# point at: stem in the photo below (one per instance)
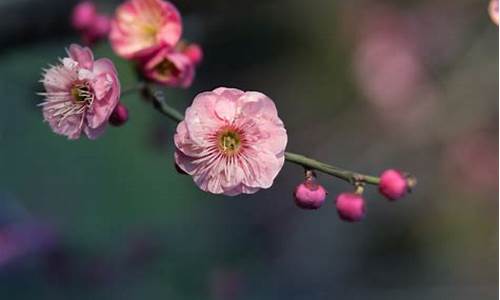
(349, 176)
(304, 161)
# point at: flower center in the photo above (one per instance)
(229, 141)
(167, 68)
(82, 93)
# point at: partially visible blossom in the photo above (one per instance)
(231, 142)
(170, 67)
(80, 94)
(350, 207)
(471, 159)
(83, 16)
(309, 194)
(142, 27)
(393, 184)
(92, 25)
(98, 30)
(493, 11)
(119, 115)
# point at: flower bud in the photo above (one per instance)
(350, 207)
(194, 53)
(119, 116)
(84, 15)
(393, 184)
(309, 194)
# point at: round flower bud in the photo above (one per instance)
(309, 194)
(119, 115)
(194, 53)
(84, 15)
(350, 207)
(393, 184)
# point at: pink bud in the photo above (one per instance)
(309, 194)
(393, 184)
(194, 53)
(350, 207)
(84, 15)
(119, 116)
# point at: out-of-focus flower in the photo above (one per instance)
(493, 11)
(98, 30)
(472, 160)
(92, 25)
(350, 207)
(231, 142)
(226, 284)
(83, 16)
(25, 238)
(142, 27)
(80, 94)
(309, 194)
(119, 115)
(170, 67)
(393, 184)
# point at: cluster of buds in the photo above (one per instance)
(91, 24)
(351, 206)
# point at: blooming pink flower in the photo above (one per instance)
(170, 67)
(80, 94)
(231, 142)
(84, 14)
(393, 184)
(350, 207)
(141, 27)
(310, 194)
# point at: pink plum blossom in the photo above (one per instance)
(80, 94)
(231, 142)
(170, 67)
(142, 27)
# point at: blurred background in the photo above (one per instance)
(365, 84)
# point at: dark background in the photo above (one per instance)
(362, 84)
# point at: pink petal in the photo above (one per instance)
(82, 55)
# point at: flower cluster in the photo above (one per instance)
(230, 141)
(149, 33)
(351, 207)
